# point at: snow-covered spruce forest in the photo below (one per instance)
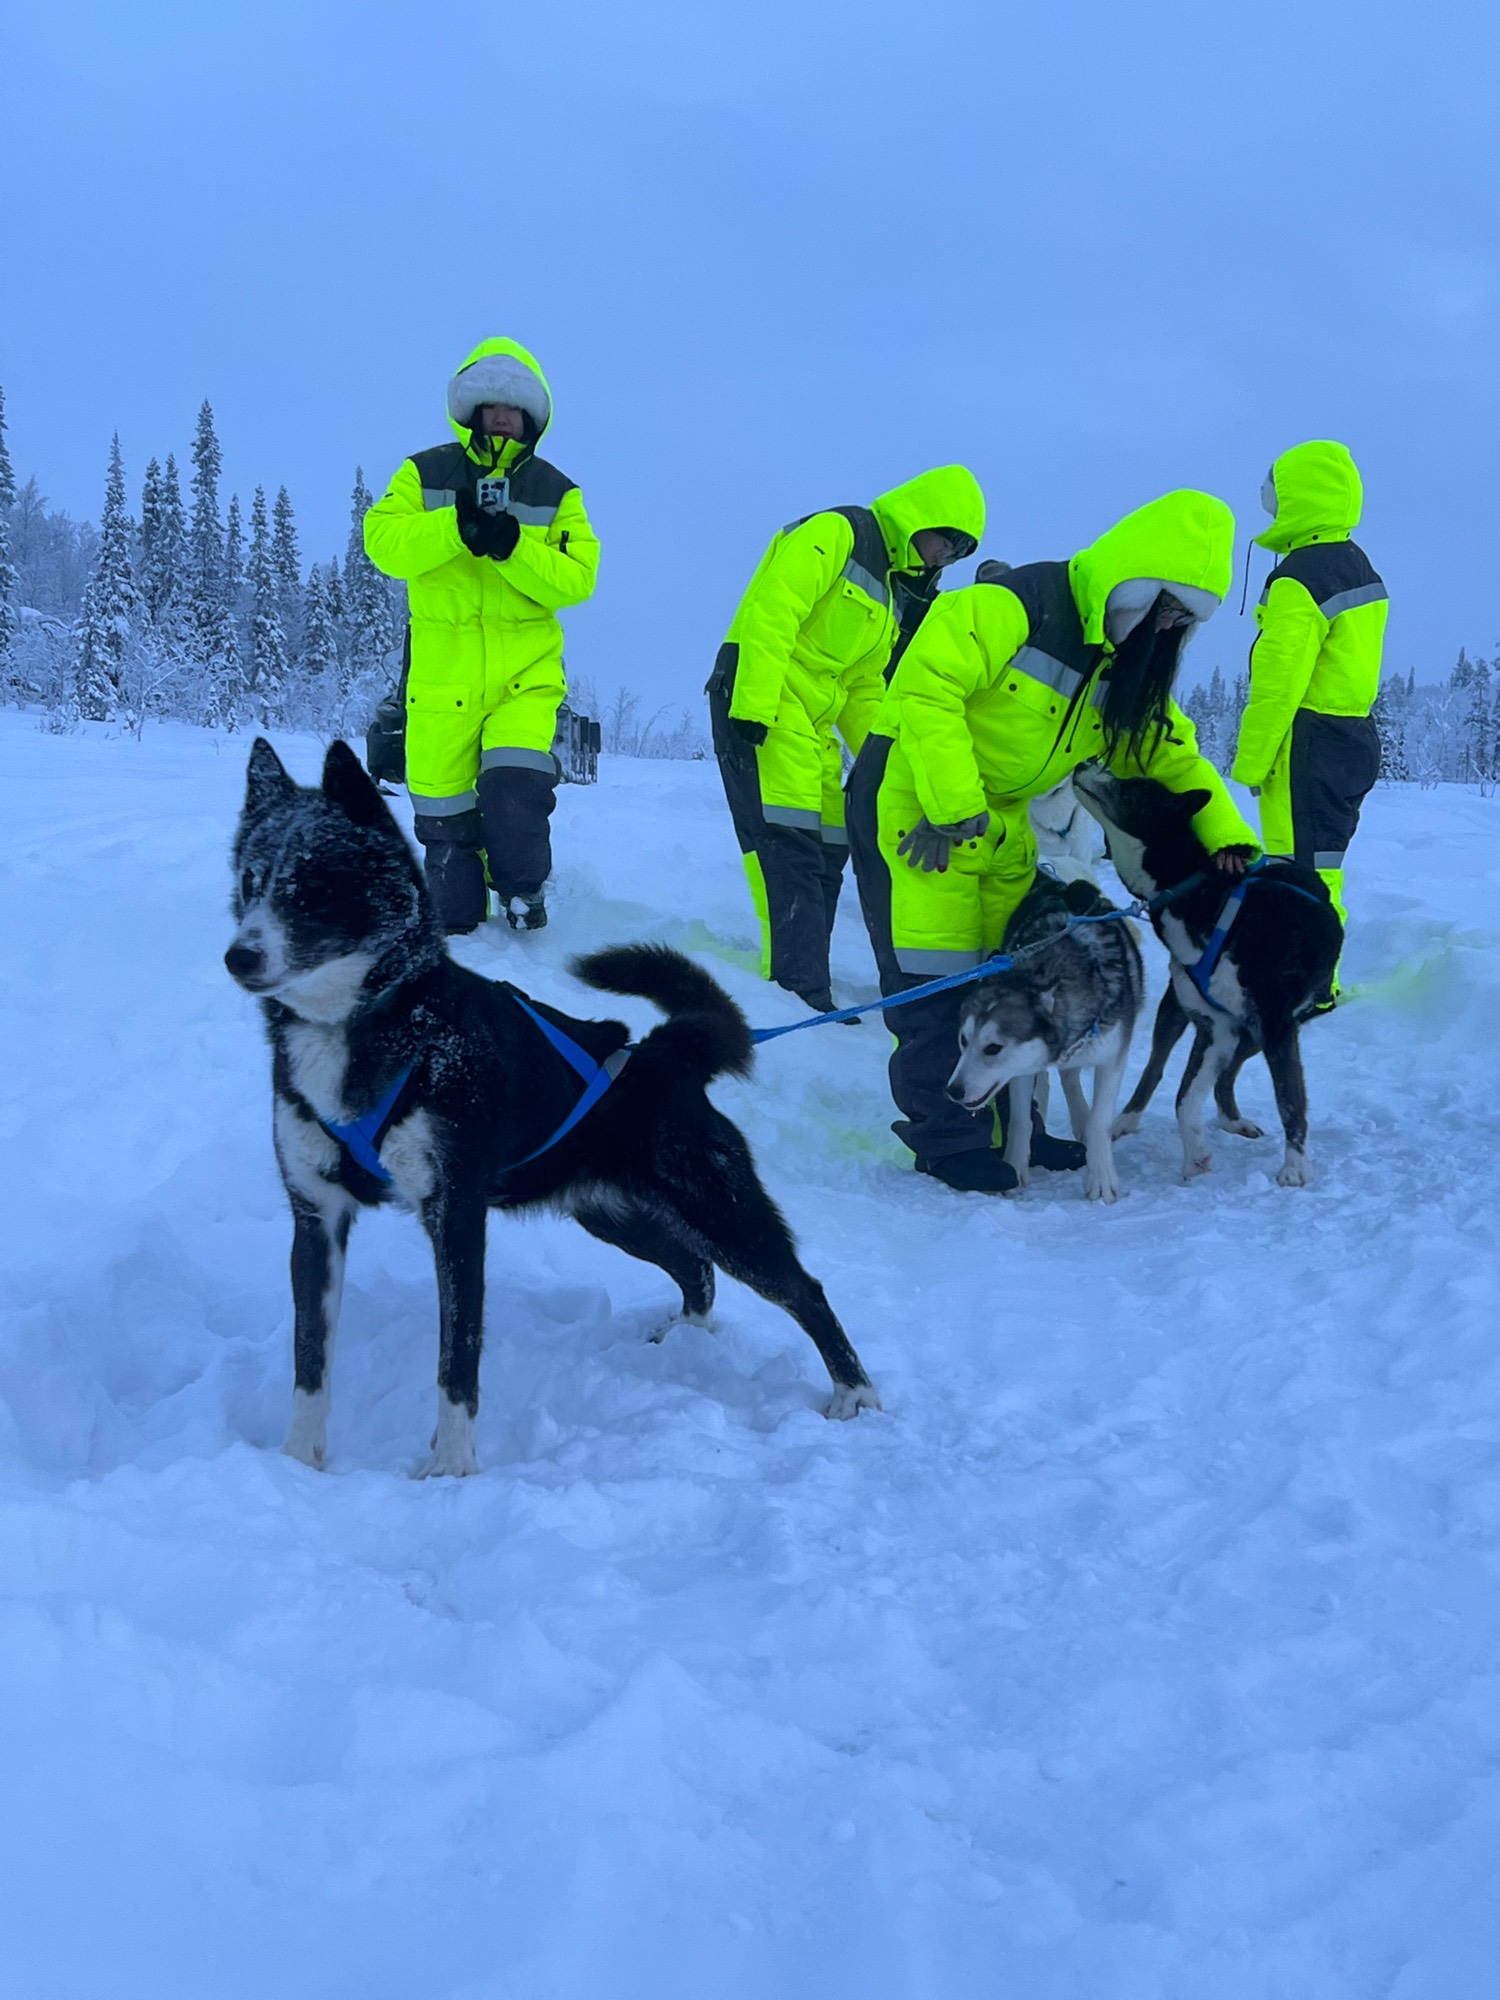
(184, 610)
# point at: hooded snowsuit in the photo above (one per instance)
(486, 673)
(1306, 738)
(996, 700)
(805, 657)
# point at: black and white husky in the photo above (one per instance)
(1069, 1004)
(1277, 958)
(361, 1000)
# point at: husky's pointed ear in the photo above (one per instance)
(349, 786)
(1190, 804)
(267, 780)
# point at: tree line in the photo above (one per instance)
(186, 610)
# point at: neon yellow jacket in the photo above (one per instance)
(485, 634)
(815, 625)
(1322, 614)
(995, 700)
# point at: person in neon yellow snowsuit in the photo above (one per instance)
(491, 542)
(802, 668)
(1306, 740)
(1006, 688)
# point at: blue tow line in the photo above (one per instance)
(361, 1137)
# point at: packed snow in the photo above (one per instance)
(1146, 1647)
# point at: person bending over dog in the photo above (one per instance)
(1306, 741)
(805, 658)
(491, 542)
(1008, 686)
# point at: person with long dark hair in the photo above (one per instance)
(1008, 686)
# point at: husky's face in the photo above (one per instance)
(1141, 819)
(325, 885)
(1002, 1034)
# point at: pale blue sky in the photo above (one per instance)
(776, 256)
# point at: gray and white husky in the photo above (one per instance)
(1069, 1004)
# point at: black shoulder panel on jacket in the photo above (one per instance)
(539, 484)
(443, 465)
(1327, 569)
(1047, 599)
(869, 549)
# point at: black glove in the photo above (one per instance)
(928, 847)
(751, 733)
(483, 533)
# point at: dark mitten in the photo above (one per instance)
(483, 533)
(751, 733)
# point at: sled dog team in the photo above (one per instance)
(400, 1075)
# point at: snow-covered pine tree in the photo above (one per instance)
(1479, 742)
(369, 615)
(212, 637)
(8, 574)
(234, 559)
(163, 565)
(320, 649)
(1463, 672)
(267, 649)
(111, 607)
(333, 583)
(286, 558)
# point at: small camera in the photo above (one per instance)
(493, 495)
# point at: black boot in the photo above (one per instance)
(1058, 1156)
(979, 1171)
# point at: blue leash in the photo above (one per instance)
(361, 1137)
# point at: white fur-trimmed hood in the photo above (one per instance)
(498, 378)
(1128, 603)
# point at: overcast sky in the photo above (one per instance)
(774, 256)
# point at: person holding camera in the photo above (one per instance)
(803, 667)
(491, 542)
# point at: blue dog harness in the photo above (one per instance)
(361, 1137)
(1201, 971)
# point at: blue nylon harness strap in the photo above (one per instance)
(361, 1137)
(597, 1077)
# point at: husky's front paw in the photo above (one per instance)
(850, 1398)
(1196, 1160)
(307, 1434)
(1125, 1124)
(1295, 1170)
(1102, 1184)
(1241, 1128)
(452, 1444)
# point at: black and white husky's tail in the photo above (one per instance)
(705, 1034)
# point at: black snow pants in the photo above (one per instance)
(503, 843)
(795, 870)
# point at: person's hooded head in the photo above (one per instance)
(1313, 493)
(499, 404)
(1142, 590)
(932, 520)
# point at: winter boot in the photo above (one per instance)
(979, 1171)
(526, 913)
(1058, 1156)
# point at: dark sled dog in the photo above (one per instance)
(1277, 959)
(339, 940)
(1069, 1003)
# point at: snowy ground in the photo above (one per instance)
(1146, 1648)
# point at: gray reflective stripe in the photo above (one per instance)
(1052, 673)
(534, 517)
(936, 963)
(1351, 600)
(835, 836)
(438, 496)
(524, 760)
(792, 816)
(460, 802)
(1329, 857)
(867, 581)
